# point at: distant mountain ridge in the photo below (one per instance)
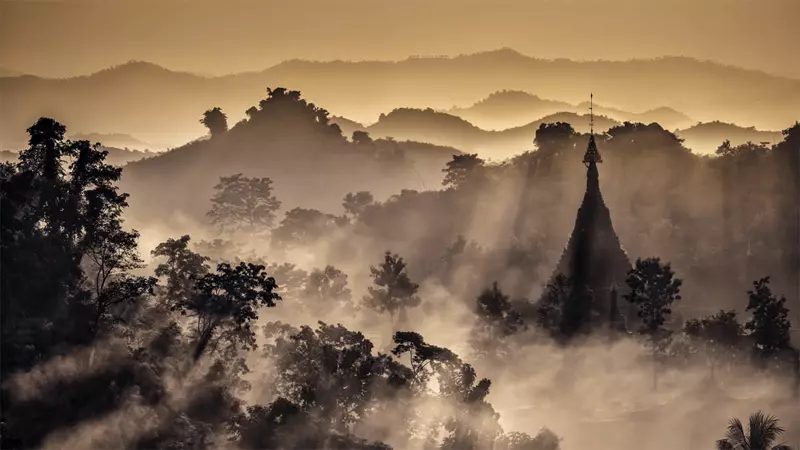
(506, 109)
(441, 128)
(144, 99)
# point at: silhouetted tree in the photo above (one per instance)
(355, 204)
(393, 291)
(226, 303)
(497, 319)
(65, 255)
(762, 432)
(719, 335)
(770, 324)
(462, 169)
(215, 120)
(181, 267)
(362, 138)
(550, 309)
(242, 203)
(653, 289)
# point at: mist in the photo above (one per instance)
(406, 226)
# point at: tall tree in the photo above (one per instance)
(244, 204)
(653, 289)
(182, 269)
(497, 319)
(215, 120)
(762, 432)
(770, 324)
(62, 216)
(393, 291)
(226, 304)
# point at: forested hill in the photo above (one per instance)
(293, 143)
(141, 98)
(440, 128)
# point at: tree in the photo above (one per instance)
(327, 288)
(462, 169)
(497, 320)
(550, 309)
(770, 324)
(494, 309)
(762, 432)
(302, 226)
(244, 204)
(361, 138)
(393, 291)
(653, 289)
(356, 204)
(62, 216)
(181, 267)
(719, 335)
(216, 121)
(227, 302)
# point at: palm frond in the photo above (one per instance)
(764, 430)
(735, 434)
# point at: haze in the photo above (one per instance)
(67, 38)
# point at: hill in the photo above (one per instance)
(285, 139)
(706, 137)
(505, 109)
(441, 128)
(147, 100)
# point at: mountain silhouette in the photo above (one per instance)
(506, 109)
(707, 137)
(285, 139)
(147, 100)
(428, 125)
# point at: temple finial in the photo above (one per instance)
(592, 156)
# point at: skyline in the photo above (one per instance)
(77, 37)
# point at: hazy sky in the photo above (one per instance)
(68, 37)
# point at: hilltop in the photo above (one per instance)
(286, 139)
(706, 137)
(441, 128)
(145, 99)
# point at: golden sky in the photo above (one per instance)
(69, 37)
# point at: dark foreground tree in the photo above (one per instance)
(65, 255)
(182, 269)
(762, 432)
(226, 303)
